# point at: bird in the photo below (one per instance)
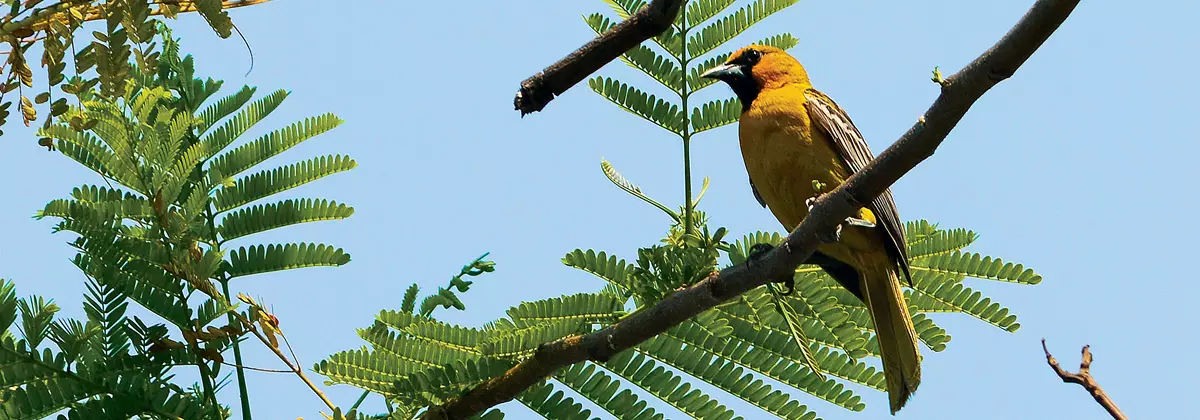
(793, 139)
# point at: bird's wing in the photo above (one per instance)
(757, 196)
(830, 118)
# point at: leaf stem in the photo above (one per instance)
(360, 401)
(243, 390)
(237, 358)
(687, 135)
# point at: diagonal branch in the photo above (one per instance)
(539, 89)
(959, 92)
(1084, 378)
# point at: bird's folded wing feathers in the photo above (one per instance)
(757, 196)
(830, 118)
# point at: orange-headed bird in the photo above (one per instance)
(792, 135)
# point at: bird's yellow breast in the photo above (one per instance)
(784, 153)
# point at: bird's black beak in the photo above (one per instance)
(726, 72)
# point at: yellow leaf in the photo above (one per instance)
(28, 112)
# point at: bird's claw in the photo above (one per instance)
(789, 286)
(834, 236)
(758, 250)
(812, 201)
(851, 221)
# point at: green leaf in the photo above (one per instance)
(217, 140)
(772, 340)
(725, 376)
(615, 177)
(931, 334)
(928, 241)
(822, 305)
(770, 365)
(522, 342)
(935, 293)
(259, 259)
(435, 332)
(451, 379)
(602, 265)
(267, 183)
(662, 69)
(366, 369)
(605, 391)
(8, 304)
(93, 154)
(543, 399)
(715, 114)
(144, 282)
(264, 217)
(699, 11)
(410, 298)
(792, 321)
(647, 106)
(721, 31)
(580, 308)
(972, 264)
(667, 386)
(223, 108)
(251, 154)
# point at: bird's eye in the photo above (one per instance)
(752, 56)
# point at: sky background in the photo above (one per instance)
(1080, 167)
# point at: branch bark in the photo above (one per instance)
(1084, 378)
(958, 93)
(541, 88)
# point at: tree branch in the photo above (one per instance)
(541, 88)
(1084, 378)
(959, 92)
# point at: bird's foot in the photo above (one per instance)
(789, 286)
(811, 202)
(758, 250)
(836, 235)
(850, 221)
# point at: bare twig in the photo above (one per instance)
(1084, 378)
(959, 92)
(258, 369)
(295, 368)
(539, 89)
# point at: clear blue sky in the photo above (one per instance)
(1081, 167)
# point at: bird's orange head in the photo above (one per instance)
(756, 68)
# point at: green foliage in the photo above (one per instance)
(153, 236)
(446, 297)
(416, 361)
(109, 57)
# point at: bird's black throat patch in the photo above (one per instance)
(746, 88)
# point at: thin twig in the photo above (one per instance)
(234, 365)
(1084, 378)
(541, 88)
(294, 368)
(958, 93)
